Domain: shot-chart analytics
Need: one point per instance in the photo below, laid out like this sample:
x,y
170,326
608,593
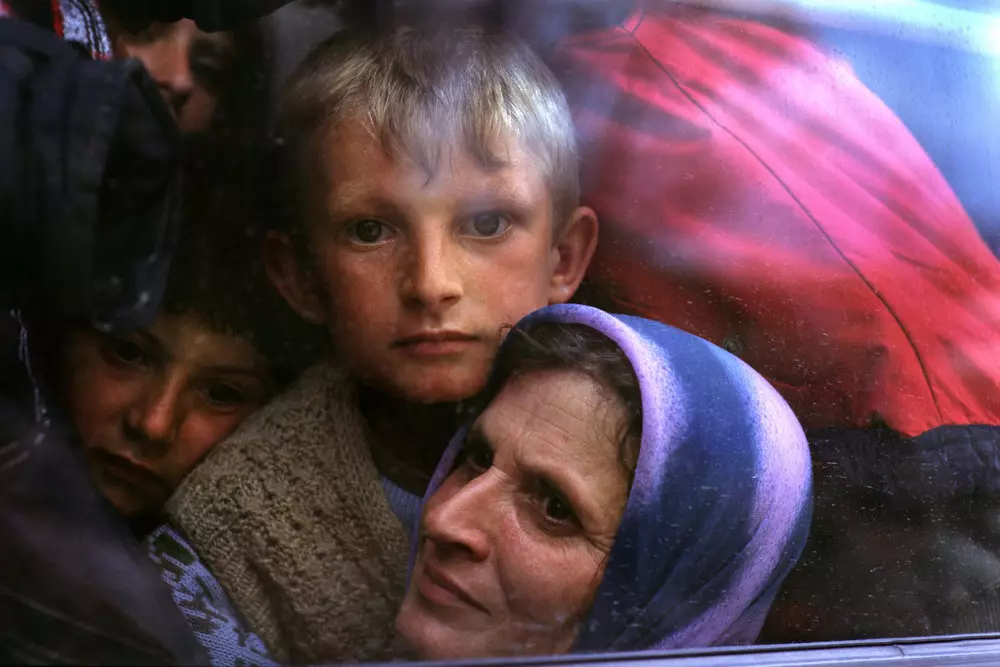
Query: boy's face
x,y
149,403
414,276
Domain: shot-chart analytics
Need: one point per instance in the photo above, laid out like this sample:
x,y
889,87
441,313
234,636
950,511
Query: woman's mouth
x,y
440,589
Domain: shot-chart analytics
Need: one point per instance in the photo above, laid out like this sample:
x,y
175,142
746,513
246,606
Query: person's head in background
x,y
434,181
198,73
190,67
149,403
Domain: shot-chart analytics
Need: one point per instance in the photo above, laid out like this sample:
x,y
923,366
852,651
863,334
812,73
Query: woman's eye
x,y
368,232
125,352
557,510
477,459
487,225
481,459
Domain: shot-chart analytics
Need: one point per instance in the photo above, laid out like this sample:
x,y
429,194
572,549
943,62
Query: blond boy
x,y
433,200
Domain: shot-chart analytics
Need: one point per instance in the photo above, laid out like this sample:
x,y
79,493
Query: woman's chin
x,y
435,639
431,638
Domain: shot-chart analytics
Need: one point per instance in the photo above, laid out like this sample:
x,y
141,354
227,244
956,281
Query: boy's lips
x,y
434,342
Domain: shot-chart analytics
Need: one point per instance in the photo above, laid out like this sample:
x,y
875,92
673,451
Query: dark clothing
x,y
89,181
905,538
88,186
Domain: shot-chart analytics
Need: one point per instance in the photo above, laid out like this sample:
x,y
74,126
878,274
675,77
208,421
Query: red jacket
x,y
753,191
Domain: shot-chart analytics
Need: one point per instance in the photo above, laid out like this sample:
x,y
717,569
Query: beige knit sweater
x,y
290,516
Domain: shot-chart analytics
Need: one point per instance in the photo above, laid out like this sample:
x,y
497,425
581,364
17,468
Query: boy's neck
x,y
408,439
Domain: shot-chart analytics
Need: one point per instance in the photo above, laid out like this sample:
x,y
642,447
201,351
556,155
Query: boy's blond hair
x,y
423,93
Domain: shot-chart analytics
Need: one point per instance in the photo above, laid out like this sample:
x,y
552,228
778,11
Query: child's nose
x,y
433,275
151,424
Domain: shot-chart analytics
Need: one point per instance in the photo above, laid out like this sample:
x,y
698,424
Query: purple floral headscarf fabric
x,y
721,502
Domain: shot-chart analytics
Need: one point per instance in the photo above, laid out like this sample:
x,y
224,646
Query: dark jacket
x,y
88,189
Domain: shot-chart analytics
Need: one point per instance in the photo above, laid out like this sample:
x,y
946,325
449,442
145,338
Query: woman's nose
x,y
460,517
151,423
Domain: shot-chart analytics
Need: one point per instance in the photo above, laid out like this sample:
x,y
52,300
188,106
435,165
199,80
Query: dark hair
x,y
217,273
555,346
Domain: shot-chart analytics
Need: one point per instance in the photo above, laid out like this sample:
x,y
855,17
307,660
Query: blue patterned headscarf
x,y
721,502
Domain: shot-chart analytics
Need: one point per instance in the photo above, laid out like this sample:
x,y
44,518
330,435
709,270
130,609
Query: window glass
x,y
343,332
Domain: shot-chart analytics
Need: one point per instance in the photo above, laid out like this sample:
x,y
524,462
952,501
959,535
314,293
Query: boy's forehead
x,y
358,166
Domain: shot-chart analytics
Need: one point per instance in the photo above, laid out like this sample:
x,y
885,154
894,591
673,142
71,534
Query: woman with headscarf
x,y
627,486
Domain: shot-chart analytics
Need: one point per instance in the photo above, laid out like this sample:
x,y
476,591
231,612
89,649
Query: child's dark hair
x,y
217,274
212,270
558,346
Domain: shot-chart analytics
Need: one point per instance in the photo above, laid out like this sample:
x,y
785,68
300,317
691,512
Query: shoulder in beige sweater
x,y
290,516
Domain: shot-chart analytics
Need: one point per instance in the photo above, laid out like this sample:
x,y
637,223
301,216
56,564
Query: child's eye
x,y
124,352
224,395
210,63
368,232
487,225
151,33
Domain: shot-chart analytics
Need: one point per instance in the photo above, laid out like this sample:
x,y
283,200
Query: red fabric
x,y
57,18
751,190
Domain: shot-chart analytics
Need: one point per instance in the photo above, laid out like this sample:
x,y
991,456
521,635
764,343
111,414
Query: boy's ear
x,y
572,254
290,278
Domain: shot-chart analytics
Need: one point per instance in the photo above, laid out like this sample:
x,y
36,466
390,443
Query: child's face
x,y
148,404
189,66
414,276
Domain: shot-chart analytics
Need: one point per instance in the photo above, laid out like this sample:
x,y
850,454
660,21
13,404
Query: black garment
x,y
905,539
89,181
88,190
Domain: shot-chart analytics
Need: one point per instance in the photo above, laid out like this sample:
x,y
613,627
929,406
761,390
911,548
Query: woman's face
x,y
150,403
514,543
189,66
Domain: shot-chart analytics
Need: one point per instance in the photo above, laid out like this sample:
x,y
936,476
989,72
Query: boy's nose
x,y
432,277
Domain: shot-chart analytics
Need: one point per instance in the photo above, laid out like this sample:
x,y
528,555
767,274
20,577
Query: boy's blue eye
x,y
367,231
488,224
